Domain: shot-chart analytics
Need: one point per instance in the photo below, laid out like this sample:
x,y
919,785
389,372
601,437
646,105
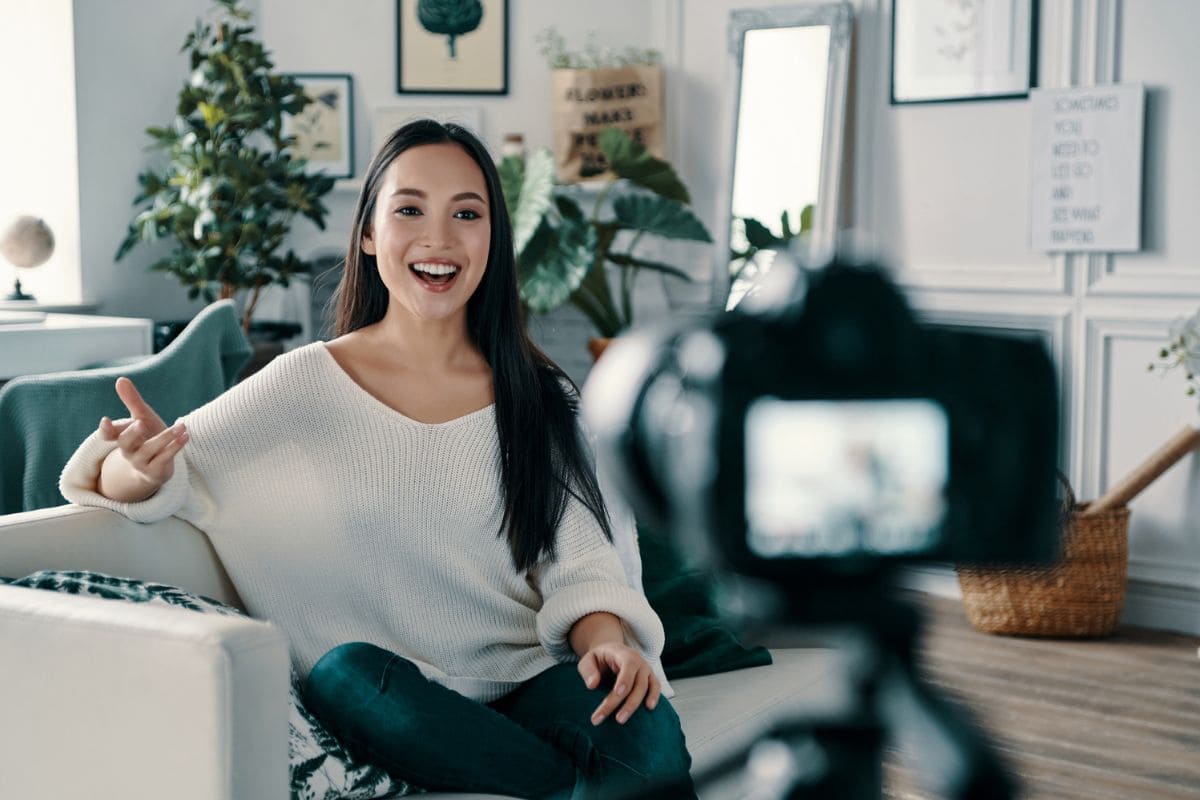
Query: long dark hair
x,y
542,459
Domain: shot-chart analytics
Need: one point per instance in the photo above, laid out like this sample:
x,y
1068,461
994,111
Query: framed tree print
x,y
452,46
946,50
324,130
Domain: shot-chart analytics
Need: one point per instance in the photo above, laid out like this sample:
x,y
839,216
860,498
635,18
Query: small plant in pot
x,y
565,254
230,187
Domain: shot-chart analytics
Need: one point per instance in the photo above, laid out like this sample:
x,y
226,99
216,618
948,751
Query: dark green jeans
x,y
537,742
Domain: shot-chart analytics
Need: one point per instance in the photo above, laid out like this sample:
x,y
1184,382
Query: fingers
x,y
165,445
654,693
162,465
633,702
110,429
152,455
626,676
138,408
132,438
634,682
589,670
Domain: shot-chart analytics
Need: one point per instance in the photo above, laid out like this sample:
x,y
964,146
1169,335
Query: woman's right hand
x,y
145,456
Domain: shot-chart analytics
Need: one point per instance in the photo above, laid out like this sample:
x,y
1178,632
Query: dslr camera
x,y
812,445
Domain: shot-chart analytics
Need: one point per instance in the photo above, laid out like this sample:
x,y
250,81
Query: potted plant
x,y
597,88
565,254
230,187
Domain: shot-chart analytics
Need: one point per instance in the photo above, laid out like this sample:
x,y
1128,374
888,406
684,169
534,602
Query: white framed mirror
x,y
791,66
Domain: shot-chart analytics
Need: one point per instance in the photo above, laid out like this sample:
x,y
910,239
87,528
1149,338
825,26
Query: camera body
x,y
832,436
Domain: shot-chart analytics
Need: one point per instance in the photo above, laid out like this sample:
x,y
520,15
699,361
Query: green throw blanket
x,y
698,643
43,418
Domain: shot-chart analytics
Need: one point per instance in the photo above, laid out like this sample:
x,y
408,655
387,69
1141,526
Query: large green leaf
x,y
660,216
555,261
630,160
512,174
567,207
533,195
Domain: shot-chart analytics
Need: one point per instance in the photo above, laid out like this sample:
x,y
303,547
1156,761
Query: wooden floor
x,y
1110,718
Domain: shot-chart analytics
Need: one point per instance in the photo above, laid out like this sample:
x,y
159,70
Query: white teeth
x,y
435,269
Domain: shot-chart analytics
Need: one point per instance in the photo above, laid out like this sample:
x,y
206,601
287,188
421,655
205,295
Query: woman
x,y
412,504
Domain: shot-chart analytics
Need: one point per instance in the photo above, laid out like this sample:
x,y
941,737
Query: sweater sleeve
x,y
213,429
586,577
80,476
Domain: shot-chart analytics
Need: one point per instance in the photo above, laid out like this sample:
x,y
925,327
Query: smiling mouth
x,y
435,275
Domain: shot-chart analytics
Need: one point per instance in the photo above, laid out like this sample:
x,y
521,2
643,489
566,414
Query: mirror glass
x,y
791,65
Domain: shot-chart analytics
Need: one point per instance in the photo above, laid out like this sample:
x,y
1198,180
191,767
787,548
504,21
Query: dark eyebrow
x,y
460,196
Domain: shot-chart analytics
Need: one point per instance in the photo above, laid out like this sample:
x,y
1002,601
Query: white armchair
x,y
105,699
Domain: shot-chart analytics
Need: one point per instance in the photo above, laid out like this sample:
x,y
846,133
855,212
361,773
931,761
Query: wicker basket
x,y
1080,596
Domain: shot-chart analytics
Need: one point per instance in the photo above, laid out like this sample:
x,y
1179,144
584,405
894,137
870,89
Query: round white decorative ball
x,y
26,242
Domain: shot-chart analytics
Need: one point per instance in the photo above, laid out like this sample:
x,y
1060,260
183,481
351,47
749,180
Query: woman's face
x,y
431,230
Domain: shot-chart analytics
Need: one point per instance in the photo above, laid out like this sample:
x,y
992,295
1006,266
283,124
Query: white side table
x,y
70,341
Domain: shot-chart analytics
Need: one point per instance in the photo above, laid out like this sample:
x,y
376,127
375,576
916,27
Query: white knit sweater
x,y
342,520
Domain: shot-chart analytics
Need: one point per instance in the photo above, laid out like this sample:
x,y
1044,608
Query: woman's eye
x,y
468,213
408,211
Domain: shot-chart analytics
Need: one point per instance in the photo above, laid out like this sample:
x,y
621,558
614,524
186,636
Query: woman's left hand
x,y
634,681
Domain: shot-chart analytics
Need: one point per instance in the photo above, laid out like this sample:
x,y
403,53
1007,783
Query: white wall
x,y
128,73
82,80
39,168
1105,314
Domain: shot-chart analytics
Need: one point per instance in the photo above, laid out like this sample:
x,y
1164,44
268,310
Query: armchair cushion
x,y
320,768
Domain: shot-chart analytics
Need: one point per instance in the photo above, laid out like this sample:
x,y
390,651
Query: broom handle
x,y
1143,474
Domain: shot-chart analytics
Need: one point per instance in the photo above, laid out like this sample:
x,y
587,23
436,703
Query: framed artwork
x,y
324,130
452,46
951,50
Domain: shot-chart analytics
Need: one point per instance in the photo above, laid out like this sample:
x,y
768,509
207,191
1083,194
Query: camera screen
x,y
832,478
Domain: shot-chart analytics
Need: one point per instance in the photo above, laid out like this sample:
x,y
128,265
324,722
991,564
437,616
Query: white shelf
x,y
33,305
70,341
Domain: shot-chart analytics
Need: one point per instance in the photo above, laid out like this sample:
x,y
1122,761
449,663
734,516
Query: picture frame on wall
x,y
956,50
324,130
452,47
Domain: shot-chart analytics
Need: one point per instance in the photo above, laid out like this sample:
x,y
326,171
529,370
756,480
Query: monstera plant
x,y
567,255
230,186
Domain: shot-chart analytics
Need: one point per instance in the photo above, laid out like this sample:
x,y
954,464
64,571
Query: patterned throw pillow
x,y
321,769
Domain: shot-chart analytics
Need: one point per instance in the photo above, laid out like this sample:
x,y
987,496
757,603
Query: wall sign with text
x,y
1087,168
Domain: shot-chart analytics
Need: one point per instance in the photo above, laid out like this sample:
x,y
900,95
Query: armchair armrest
x,y
102,698
74,537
